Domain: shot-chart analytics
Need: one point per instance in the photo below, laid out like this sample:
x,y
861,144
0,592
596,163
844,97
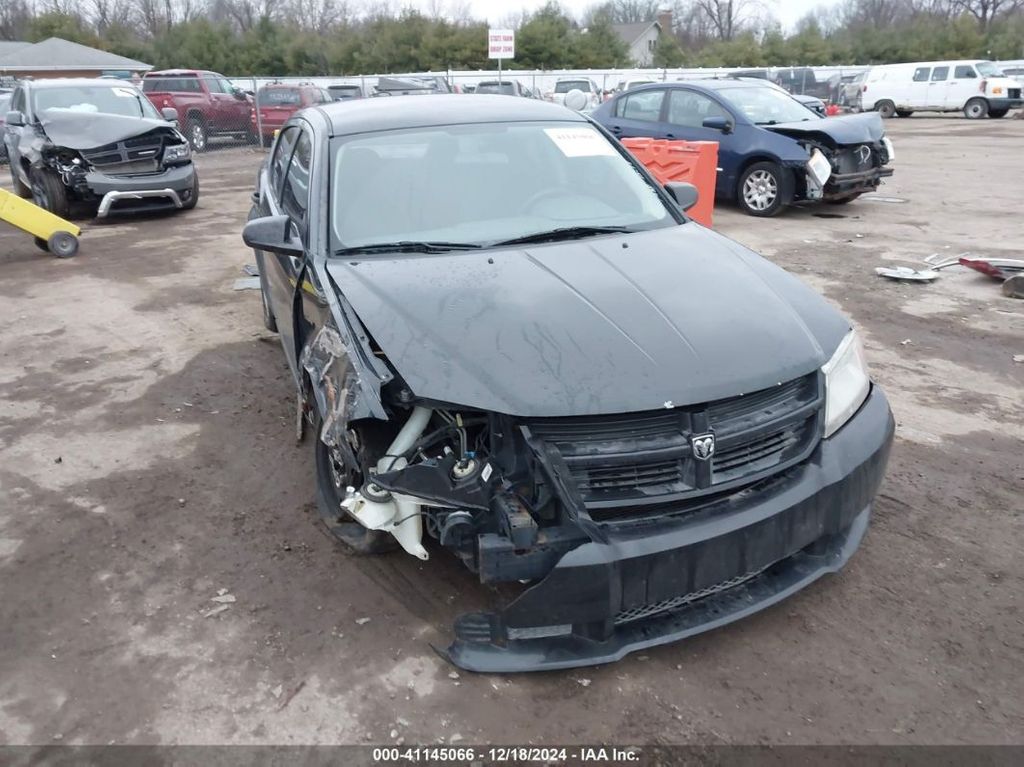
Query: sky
x,y
788,12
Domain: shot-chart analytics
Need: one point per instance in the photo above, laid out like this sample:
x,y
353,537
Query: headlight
x,y
177,153
846,383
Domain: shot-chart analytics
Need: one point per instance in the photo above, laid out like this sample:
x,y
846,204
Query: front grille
x,y
668,605
133,156
1014,93
626,462
856,159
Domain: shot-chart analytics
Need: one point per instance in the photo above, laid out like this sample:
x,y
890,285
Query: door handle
x,y
670,135
616,129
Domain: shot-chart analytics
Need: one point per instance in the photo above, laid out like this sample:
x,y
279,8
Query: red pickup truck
x,y
207,103
277,102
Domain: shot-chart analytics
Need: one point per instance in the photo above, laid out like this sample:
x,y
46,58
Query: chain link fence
x,y
248,110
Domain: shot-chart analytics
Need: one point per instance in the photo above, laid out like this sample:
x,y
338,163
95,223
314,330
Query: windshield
x,y
108,99
278,97
485,183
988,69
569,85
767,106
505,88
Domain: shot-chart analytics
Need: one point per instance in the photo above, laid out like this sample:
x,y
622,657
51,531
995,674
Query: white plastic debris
x,y
906,273
224,599
583,682
362,621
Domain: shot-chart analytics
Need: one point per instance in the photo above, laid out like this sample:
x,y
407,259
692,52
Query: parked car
x,y
99,143
772,150
5,104
277,102
504,88
508,339
208,104
801,80
566,85
975,87
348,91
629,84
850,92
811,102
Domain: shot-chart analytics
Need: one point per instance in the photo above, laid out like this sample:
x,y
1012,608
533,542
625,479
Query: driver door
x,y
685,117
287,194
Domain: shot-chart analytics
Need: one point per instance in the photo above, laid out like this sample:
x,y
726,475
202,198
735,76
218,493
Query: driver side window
x,y
279,161
690,109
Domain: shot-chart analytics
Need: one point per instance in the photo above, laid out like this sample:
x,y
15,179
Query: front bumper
x,y
168,189
655,583
842,185
998,104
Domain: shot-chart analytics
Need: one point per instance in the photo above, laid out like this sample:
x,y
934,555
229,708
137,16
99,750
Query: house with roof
x,y
641,38
55,57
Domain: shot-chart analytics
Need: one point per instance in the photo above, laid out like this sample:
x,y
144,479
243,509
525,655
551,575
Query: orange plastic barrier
x,y
692,161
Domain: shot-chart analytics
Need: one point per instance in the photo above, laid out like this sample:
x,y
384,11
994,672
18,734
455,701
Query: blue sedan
x,y
772,150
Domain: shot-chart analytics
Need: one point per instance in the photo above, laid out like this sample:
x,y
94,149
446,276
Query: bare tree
x,y
726,17
986,10
15,16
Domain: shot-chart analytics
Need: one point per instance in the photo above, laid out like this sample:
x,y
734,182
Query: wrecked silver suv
x,y
100,144
513,345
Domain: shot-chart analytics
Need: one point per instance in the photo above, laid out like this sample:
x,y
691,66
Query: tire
x,y
62,244
975,109
330,485
886,109
764,189
904,112
194,195
19,188
996,114
196,133
49,192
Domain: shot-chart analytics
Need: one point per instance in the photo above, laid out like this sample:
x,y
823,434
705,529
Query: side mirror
x,y
15,118
170,114
273,234
239,93
723,124
684,193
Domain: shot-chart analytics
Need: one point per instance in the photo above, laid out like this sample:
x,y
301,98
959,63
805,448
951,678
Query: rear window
x,y
279,97
570,85
504,88
171,85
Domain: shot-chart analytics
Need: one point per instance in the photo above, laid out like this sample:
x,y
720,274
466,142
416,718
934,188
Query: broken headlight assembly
x,y
846,383
176,154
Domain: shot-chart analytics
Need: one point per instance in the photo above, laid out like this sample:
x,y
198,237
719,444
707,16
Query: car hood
x,y
86,130
865,128
605,325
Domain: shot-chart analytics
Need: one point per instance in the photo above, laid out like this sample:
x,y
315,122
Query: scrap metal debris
x,y
251,269
1014,287
906,273
879,198
215,611
997,268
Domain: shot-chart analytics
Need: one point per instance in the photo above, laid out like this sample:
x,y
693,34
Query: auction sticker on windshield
x,y
580,142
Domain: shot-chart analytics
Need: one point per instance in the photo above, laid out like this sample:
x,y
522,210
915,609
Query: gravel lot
x,y
147,462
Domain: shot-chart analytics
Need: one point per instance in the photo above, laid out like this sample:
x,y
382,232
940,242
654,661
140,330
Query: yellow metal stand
x,y
52,232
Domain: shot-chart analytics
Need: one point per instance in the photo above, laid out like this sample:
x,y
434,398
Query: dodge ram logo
x,y
703,446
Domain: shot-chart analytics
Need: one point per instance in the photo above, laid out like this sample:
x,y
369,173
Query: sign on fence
x,y
501,44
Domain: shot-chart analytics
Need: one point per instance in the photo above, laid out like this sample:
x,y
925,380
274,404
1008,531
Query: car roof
x,y
398,112
179,73
60,82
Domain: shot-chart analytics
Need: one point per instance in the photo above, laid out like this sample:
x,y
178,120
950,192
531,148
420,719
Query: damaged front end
x,y
144,165
847,156
621,531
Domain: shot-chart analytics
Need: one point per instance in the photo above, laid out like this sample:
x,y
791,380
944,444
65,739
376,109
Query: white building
x,y
641,38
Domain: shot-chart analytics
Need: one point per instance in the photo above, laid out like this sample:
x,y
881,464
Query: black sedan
x,y
509,344
772,150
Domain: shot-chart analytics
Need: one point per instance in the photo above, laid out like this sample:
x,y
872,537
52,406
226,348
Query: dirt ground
x,y
147,462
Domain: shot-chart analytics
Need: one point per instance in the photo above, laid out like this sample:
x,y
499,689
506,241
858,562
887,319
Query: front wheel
x,y
975,109
196,133
49,192
19,188
886,109
332,479
997,113
764,188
